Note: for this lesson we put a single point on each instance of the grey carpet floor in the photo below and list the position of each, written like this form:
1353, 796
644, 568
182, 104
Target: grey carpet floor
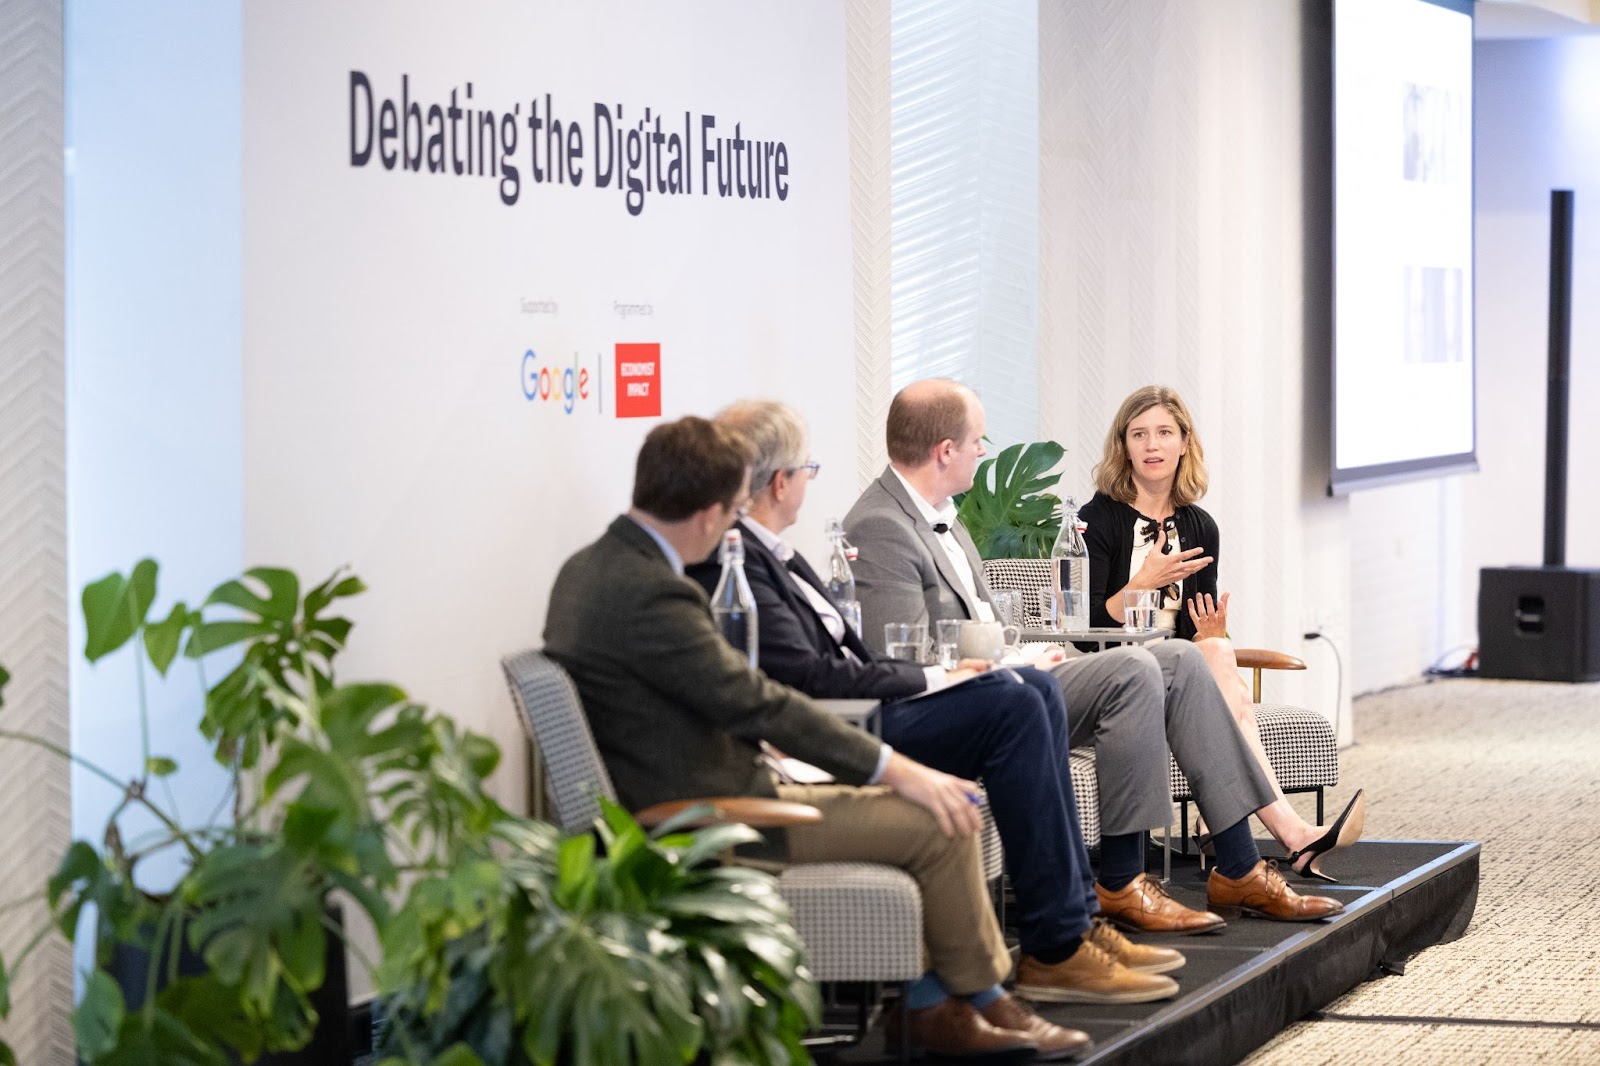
1515, 765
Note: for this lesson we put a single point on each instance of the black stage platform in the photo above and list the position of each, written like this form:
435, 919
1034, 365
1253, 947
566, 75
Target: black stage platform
1247, 983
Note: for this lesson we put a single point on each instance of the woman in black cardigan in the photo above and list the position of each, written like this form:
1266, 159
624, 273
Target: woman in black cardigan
1147, 532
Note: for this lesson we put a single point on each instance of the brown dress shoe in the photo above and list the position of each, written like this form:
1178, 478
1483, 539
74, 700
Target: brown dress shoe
1264, 893
1090, 976
1143, 958
1144, 906
954, 1029
1055, 1041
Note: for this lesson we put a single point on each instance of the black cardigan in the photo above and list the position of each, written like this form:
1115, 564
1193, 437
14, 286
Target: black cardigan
1110, 542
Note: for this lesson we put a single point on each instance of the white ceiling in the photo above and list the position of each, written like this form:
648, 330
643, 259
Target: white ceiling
1505, 19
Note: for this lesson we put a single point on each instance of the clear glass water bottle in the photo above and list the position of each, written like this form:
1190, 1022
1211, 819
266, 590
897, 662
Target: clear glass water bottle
841, 580
732, 604
1069, 562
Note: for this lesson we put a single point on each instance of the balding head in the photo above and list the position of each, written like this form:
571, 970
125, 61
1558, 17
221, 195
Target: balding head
924, 415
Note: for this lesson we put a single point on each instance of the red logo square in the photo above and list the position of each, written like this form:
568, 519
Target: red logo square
639, 381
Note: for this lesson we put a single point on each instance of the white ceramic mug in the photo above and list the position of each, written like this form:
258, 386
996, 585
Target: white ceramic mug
991, 641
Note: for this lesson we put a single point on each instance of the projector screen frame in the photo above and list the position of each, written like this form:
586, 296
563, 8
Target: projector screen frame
1344, 480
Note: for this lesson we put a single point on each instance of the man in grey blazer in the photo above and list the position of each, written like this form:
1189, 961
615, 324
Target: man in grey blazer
678, 714
917, 564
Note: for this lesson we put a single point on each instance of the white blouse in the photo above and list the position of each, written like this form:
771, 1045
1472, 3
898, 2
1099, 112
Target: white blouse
1169, 606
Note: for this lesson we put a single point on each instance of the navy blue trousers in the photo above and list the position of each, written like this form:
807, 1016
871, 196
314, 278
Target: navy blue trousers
1009, 728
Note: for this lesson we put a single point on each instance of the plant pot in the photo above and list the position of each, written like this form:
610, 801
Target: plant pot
330, 1043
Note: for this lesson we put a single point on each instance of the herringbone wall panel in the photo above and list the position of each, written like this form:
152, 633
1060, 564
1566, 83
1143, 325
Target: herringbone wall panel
867, 68
35, 801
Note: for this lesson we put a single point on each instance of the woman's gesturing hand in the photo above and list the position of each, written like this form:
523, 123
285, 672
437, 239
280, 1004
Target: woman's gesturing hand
1210, 619
1159, 571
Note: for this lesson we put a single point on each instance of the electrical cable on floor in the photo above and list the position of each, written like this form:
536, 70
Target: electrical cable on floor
1338, 697
1467, 668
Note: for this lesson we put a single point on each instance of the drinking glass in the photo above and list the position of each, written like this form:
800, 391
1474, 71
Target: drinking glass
906, 640
1007, 606
1139, 610
947, 642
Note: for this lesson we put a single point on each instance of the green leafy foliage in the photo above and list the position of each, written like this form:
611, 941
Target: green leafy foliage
351, 784
511, 946
1008, 510
611, 948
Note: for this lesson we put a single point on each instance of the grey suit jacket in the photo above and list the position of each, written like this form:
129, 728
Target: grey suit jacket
902, 572
676, 712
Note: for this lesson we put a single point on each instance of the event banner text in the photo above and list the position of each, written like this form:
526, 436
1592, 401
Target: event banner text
607, 146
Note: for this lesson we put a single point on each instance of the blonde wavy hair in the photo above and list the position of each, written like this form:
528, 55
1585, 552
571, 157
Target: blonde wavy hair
1113, 474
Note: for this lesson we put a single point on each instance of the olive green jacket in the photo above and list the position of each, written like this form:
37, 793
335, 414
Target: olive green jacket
677, 712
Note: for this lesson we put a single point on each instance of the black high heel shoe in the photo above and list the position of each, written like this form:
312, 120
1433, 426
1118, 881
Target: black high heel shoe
1345, 830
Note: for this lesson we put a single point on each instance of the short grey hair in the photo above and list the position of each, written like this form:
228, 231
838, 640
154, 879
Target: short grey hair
776, 432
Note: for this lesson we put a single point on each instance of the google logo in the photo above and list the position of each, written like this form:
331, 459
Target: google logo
567, 385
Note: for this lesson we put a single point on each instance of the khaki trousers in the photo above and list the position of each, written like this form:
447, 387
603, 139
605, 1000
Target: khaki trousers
963, 940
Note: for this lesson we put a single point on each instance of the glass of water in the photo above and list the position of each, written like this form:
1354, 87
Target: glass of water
947, 642
1007, 606
1139, 610
906, 640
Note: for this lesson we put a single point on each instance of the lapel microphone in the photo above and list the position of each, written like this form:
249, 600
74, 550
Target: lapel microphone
941, 527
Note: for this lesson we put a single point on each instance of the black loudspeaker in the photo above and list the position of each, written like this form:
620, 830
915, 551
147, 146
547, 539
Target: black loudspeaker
1539, 623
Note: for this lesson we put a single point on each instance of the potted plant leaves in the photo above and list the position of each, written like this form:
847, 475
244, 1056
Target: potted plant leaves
1009, 511
335, 790
510, 944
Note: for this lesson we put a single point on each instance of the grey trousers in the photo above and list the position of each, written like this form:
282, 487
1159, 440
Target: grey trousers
1134, 703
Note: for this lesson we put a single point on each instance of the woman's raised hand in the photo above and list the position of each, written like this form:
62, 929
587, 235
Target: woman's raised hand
1161, 570
1210, 619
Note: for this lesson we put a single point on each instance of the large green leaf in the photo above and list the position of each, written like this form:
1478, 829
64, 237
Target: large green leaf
336, 587
1008, 511
99, 1016
114, 608
213, 636
161, 639
283, 591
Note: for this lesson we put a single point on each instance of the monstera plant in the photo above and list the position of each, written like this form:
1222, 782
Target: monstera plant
508, 944
609, 949
336, 788
1008, 510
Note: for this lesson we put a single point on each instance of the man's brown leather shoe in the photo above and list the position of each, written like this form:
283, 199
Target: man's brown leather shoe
1144, 958
1090, 976
1264, 893
1055, 1041
1144, 906
952, 1028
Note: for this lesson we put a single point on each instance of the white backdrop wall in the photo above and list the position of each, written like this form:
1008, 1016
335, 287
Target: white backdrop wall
1172, 222
388, 313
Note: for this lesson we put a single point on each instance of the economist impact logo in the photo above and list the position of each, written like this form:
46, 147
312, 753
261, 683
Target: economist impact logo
638, 381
